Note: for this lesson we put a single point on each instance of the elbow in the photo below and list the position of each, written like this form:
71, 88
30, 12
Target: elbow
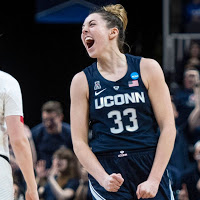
79, 146
169, 132
76, 147
169, 127
172, 135
172, 132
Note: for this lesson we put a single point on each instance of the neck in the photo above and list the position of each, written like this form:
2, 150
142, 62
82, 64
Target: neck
111, 62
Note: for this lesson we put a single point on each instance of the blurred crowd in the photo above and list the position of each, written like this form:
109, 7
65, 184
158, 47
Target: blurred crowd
59, 174
184, 165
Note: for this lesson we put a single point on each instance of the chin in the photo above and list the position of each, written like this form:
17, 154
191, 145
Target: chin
92, 55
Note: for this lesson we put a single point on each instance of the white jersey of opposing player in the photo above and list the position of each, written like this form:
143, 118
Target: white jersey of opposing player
10, 104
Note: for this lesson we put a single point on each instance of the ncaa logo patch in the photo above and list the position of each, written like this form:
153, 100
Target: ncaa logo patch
134, 75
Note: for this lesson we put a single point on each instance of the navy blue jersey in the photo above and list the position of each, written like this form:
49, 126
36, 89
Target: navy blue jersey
120, 112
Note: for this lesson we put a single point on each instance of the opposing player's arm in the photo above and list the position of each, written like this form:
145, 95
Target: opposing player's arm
17, 136
22, 151
159, 95
79, 115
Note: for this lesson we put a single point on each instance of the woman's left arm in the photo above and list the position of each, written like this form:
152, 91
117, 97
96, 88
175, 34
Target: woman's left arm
153, 78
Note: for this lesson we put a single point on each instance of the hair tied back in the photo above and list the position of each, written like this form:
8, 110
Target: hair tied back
119, 11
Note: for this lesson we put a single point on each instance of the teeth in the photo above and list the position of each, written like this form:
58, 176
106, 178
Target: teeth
88, 38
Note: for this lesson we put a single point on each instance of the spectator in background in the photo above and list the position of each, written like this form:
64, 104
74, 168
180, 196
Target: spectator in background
183, 98
18, 194
179, 160
194, 118
191, 60
63, 177
52, 133
194, 56
191, 178
192, 16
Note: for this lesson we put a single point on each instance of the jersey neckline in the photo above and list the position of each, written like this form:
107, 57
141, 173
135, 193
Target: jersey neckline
119, 80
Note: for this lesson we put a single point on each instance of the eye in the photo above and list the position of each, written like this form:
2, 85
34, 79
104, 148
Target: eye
92, 24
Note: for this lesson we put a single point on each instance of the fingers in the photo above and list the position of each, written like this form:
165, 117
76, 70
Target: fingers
138, 192
41, 163
145, 191
113, 182
118, 178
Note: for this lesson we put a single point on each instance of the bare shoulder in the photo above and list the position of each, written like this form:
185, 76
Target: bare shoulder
79, 77
150, 65
150, 71
79, 83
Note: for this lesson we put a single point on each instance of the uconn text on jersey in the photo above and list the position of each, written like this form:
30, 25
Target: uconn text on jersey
119, 99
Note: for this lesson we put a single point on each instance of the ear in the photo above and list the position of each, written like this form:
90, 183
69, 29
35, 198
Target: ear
113, 33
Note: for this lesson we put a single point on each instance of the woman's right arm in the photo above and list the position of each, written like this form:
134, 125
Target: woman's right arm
79, 115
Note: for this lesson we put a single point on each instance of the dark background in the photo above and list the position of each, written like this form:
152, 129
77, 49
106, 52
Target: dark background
45, 57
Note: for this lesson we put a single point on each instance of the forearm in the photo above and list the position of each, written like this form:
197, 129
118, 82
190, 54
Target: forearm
89, 161
163, 154
23, 157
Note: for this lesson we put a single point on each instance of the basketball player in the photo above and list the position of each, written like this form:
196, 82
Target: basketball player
123, 97
11, 124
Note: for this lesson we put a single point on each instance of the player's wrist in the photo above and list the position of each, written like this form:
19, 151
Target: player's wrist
154, 179
102, 179
32, 188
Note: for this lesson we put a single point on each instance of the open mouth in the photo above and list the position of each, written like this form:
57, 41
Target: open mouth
89, 42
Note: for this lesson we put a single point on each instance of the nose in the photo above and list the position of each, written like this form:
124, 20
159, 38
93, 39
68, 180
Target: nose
84, 29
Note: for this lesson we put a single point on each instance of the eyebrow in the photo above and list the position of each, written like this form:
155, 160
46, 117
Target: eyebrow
89, 22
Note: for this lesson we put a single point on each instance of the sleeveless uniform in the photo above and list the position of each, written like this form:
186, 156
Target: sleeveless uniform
10, 104
124, 129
